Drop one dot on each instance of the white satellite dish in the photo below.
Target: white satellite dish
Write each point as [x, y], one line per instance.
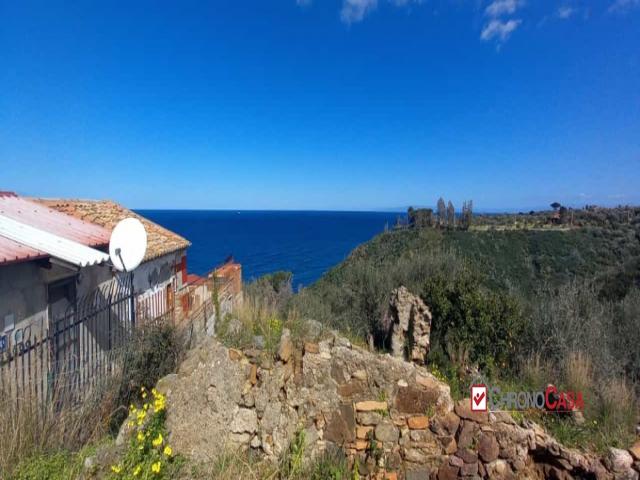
[128, 244]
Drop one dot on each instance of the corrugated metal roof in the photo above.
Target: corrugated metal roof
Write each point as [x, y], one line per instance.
[46, 220]
[54, 245]
[12, 252]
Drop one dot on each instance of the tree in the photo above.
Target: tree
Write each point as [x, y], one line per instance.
[442, 212]
[555, 205]
[564, 214]
[467, 214]
[451, 215]
[411, 216]
[420, 218]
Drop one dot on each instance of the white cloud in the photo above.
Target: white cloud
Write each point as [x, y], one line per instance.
[499, 29]
[565, 12]
[502, 7]
[354, 10]
[621, 6]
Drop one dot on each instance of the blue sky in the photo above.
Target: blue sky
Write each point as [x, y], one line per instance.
[322, 104]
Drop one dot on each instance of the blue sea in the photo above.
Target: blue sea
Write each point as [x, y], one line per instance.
[306, 243]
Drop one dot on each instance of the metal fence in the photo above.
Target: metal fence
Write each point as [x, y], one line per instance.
[76, 351]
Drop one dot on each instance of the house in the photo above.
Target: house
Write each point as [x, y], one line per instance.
[53, 255]
[163, 271]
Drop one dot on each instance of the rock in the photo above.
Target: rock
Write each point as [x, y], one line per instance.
[469, 469]
[456, 461]
[635, 450]
[255, 442]
[341, 426]
[259, 342]
[235, 354]
[463, 410]
[240, 438]
[466, 434]
[467, 455]
[285, 349]
[618, 460]
[386, 432]
[448, 472]
[497, 469]
[253, 374]
[312, 348]
[410, 321]
[416, 400]
[488, 447]
[371, 406]
[418, 422]
[448, 444]
[351, 388]
[369, 418]
[417, 474]
[165, 384]
[245, 420]
[445, 424]
[415, 456]
[363, 432]
[360, 375]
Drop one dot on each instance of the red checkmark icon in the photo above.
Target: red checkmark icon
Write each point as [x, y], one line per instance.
[478, 398]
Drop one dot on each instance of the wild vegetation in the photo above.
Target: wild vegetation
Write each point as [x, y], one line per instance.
[522, 307]
[52, 442]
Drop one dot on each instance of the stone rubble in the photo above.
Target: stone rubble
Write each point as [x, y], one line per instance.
[393, 416]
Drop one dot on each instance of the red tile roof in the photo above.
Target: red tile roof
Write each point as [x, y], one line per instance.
[107, 214]
[39, 216]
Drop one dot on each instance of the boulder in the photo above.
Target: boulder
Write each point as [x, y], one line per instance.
[285, 349]
[410, 321]
[618, 460]
[488, 447]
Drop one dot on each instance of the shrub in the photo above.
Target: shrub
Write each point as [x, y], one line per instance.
[155, 351]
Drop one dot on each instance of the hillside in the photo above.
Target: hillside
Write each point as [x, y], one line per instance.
[521, 307]
[522, 259]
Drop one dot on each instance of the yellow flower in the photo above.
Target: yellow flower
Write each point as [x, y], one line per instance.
[116, 468]
[140, 437]
[130, 423]
[154, 392]
[155, 468]
[167, 451]
[159, 402]
[144, 394]
[136, 471]
[157, 441]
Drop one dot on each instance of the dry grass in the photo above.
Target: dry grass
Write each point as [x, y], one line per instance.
[29, 430]
[578, 372]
